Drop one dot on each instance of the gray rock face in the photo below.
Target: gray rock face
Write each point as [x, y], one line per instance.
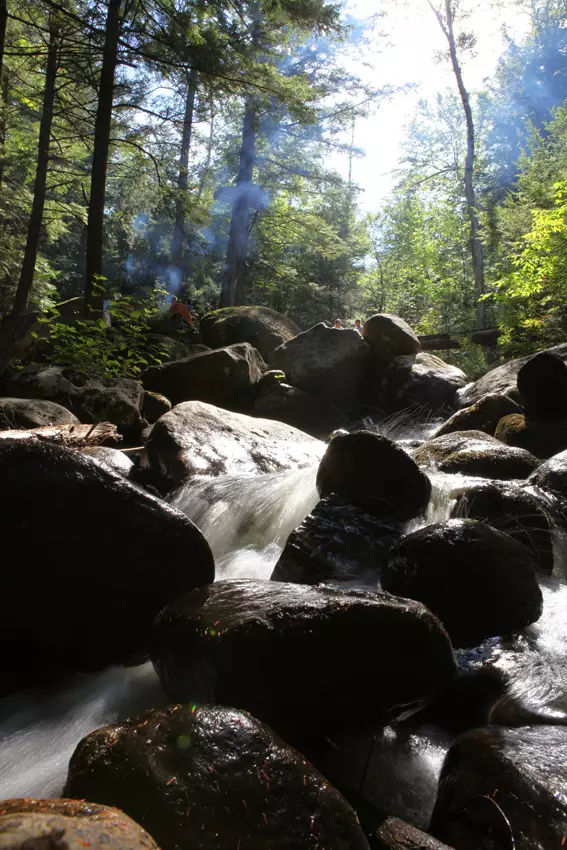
[542, 385]
[167, 348]
[552, 475]
[337, 544]
[112, 459]
[478, 581]
[484, 415]
[33, 413]
[477, 454]
[543, 437]
[502, 380]
[199, 439]
[523, 771]
[30, 824]
[154, 406]
[423, 380]
[263, 328]
[389, 337]
[395, 834]
[302, 659]
[212, 779]
[295, 407]
[225, 376]
[326, 361]
[98, 558]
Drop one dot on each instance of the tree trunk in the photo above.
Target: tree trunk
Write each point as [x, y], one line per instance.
[3, 22]
[233, 289]
[93, 269]
[34, 225]
[5, 89]
[180, 227]
[209, 155]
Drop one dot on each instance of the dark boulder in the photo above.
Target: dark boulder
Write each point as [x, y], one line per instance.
[225, 376]
[199, 439]
[302, 659]
[154, 406]
[33, 413]
[167, 348]
[97, 558]
[541, 437]
[112, 459]
[484, 415]
[373, 473]
[389, 337]
[302, 410]
[337, 543]
[551, 476]
[478, 581]
[542, 385]
[395, 834]
[212, 779]
[516, 512]
[261, 327]
[326, 361]
[503, 788]
[476, 454]
[30, 824]
[422, 381]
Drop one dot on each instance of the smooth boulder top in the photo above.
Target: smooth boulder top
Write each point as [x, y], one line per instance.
[422, 381]
[196, 438]
[483, 416]
[30, 824]
[552, 475]
[477, 580]
[389, 336]
[478, 454]
[301, 658]
[212, 778]
[33, 413]
[263, 328]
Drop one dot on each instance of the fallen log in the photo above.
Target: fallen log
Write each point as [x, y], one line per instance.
[73, 436]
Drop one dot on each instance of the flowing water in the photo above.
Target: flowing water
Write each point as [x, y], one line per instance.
[246, 520]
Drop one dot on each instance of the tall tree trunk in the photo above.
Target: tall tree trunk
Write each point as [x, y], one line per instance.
[5, 91]
[3, 22]
[209, 155]
[477, 253]
[233, 288]
[180, 228]
[93, 266]
[34, 225]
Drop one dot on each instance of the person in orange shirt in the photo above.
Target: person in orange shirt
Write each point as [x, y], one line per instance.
[179, 309]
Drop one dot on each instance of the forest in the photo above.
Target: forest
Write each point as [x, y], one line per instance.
[159, 148]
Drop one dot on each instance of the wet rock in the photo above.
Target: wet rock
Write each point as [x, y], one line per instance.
[483, 416]
[287, 404]
[422, 381]
[477, 454]
[199, 439]
[88, 399]
[302, 659]
[30, 824]
[212, 779]
[263, 328]
[112, 459]
[395, 834]
[225, 376]
[551, 476]
[373, 473]
[502, 379]
[33, 413]
[97, 559]
[389, 337]
[477, 580]
[154, 406]
[516, 512]
[326, 361]
[336, 544]
[504, 788]
[543, 438]
[542, 385]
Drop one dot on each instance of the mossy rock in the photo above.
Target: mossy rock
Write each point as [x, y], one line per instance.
[263, 328]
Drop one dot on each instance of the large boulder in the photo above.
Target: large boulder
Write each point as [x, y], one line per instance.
[261, 327]
[154, 406]
[326, 361]
[422, 381]
[33, 413]
[542, 385]
[476, 454]
[336, 544]
[167, 348]
[199, 439]
[503, 379]
[515, 511]
[372, 472]
[95, 559]
[551, 476]
[484, 415]
[395, 834]
[504, 788]
[225, 376]
[478, 581]
[294, 407]
[389, 337]
[303, 659]
[87, 398]
[542, 437]
[29, 824]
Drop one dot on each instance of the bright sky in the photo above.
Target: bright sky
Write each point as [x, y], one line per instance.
[415, 38]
